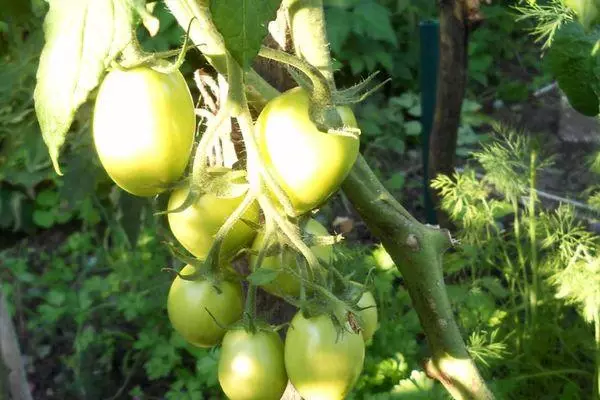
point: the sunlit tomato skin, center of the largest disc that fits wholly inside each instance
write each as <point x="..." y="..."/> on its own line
<point x="321" y="364"/>
<point x="368" y="315"/>
<point x="187" y="304"/>
<point x="285" y="283"/>
<point x="196" y="226"/>
<point x="143" y="127"/>
<point x="251" y="365"/>
<point x="308" y="164"/>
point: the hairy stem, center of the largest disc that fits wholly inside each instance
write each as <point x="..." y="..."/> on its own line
<point x="307" y="21"/>
<point x="321" y="91"/>
<point x="250" y="307"/>
<point x="213" y="254"/>
<point x="417" y="250"/>
<point x="256" y="167"/>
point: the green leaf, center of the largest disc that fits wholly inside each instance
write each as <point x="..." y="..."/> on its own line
<point x="376" y="21"/>
<point x="82" y="38"/>
<point x="396" y="182"/>
<point x="47" y="198"/>
<point x="418" y="386"/>
<point x="243" y="25"/>
<point x="412" y="128"/>
<point x="43" y="218"/>
<point x="406" y="100"/>
<point x="338" y="28"/>
<point x="262" y="276"/>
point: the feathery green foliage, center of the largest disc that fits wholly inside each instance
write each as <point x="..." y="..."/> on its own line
<point x="519" y="269"/>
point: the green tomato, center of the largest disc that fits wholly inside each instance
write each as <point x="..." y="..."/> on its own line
<point x="285" y="283"/>
<point x="368" y="316"/>
<point x="196" y="226"/>
<point x="309" y="165"/>
<point x="321" y="362"/>
<point x="143" y="127"/>
<point x="188" y="302"/>
<point x="251" y="365"/>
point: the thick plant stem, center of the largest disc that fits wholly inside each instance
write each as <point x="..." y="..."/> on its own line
<point x="417" y="250"/>
<point x="307" y="21"/>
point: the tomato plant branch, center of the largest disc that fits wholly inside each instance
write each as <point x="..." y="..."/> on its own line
<point x="213" y="255"/>
<point x="416" y="249"/>
<point x="289" y="231"/>
<point x="246" y="126"/>
<point x="307" y="21"/>
<point x="256" y="167"/>
<point x="321" y="91"/>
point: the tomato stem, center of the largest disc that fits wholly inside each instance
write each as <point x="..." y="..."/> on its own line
<point x="307" y="25"/>
<point x="250" y="308"/>
<point x="258" y="175"/>
<point x="322" y="110"/>
<point x="321" y="91"/>
<point x="212" y="259"/>
<point x="289" y="231"/>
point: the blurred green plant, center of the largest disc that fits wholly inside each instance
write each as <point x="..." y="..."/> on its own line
<point x="514" y="272"/>
<point x="90" y="309"/>
<point x="368" y="35"/>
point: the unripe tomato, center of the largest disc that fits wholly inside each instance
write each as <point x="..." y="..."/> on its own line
<point x="368" y="316"/>
<point x="320" y="362"/>
<point x="251" y="365"/>
<point x="308" y="164"/>
<point x="188" y="302"/>
<point x="196" y="226"/>
<point x="143" y="127"/>
<point x="286" y="283"/>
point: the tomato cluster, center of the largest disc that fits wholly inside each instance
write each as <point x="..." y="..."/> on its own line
<point x="144" y="127"/>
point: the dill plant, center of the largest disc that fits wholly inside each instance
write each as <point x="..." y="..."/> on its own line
<point x="536" y="263"/>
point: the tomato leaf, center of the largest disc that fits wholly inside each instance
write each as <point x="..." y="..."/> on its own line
<point x="262" y="276"/>
<point x="243" y="25"/>
<point x="82" y="38"/>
